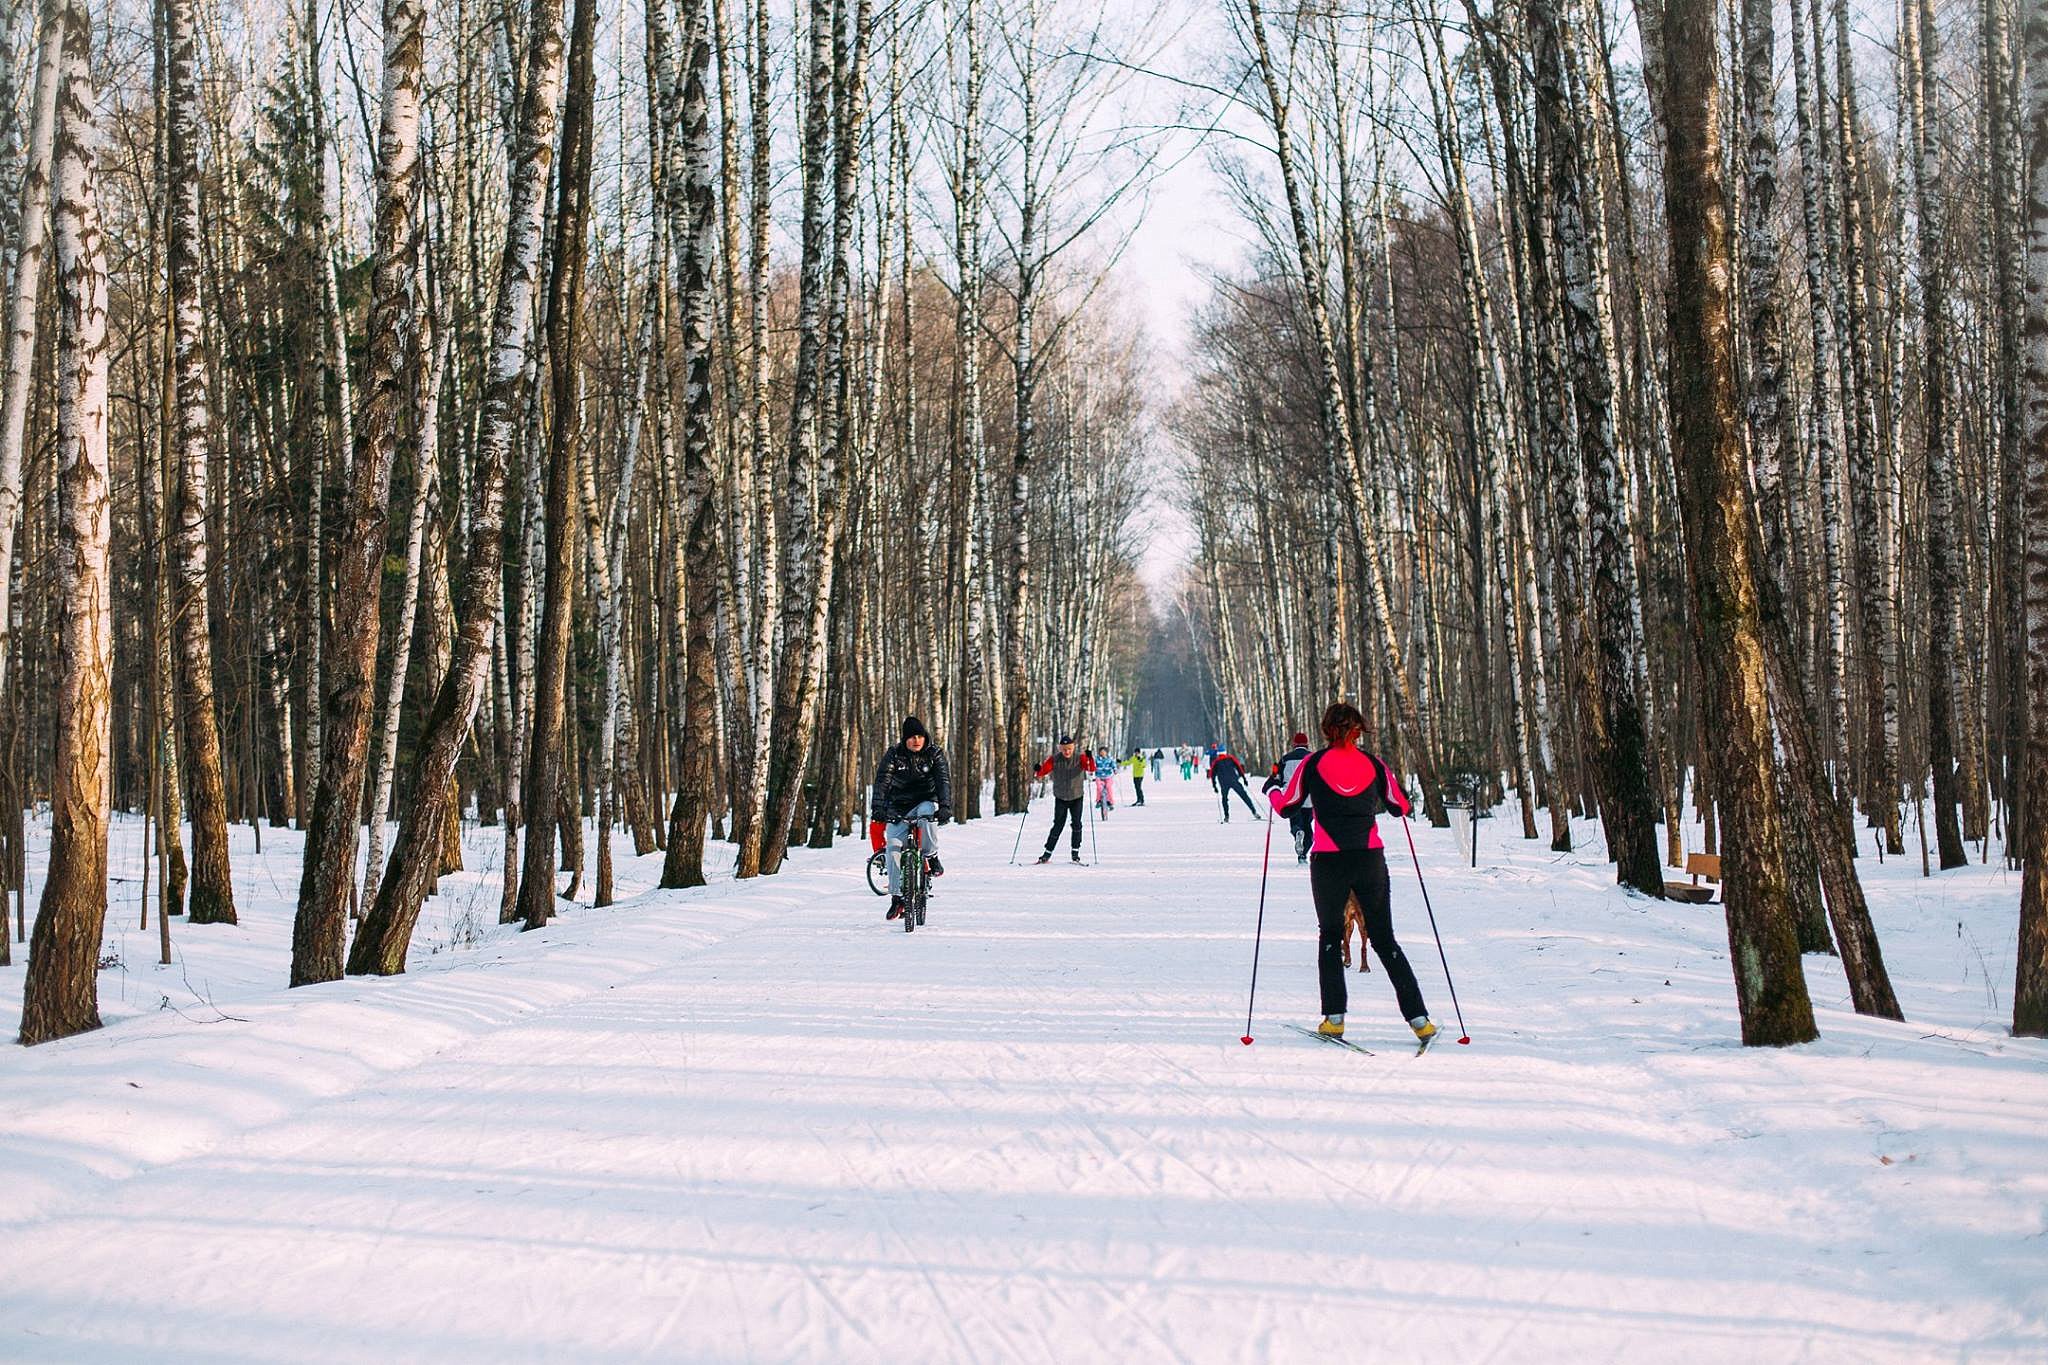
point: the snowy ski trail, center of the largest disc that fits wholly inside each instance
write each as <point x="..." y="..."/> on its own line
<point x="755" y="1122"/>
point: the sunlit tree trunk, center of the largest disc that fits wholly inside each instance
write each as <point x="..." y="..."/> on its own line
<point x="1770" y="988"/>
<point x="380" y="945"/>
<point x="328" y="870"/>
<point x="59" y="995"/>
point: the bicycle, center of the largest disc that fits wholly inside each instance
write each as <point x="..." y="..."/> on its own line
<point x="915" y="874"/>
<point x="916" y="879"/>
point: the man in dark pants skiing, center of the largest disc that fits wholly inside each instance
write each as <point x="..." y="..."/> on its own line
<point x="912" y="786"/>
<point x="1349" y="788"/>
<point x="1226" y="775"/>
<point x="1070" y="771"/>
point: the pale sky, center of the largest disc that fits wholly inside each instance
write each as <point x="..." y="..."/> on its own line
<point x="1186" y="234"/>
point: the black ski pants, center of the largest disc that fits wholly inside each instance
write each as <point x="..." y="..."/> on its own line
<point x="1064" y="809"/>
<point x="1335" y="877"/>
<point x="1236" y="784"/>
<point x="1138" y="781"/>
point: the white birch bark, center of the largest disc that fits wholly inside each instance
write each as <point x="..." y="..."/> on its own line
<point x="381" y="944"/>
<point x="349" y="701"/>
<point x="2030" y="993"/>
<point x="17" y="348"/>
<point x="752" y="816"/>
<point x="59" y="993"/>
<point x="426" y="471"/>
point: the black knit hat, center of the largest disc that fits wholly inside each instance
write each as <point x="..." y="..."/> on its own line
<point x="913" y="726"/>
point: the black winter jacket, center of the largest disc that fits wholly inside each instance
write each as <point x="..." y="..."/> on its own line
<point x="904" y="779"/>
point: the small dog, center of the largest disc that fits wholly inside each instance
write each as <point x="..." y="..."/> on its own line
<point x="1354" y="920"/>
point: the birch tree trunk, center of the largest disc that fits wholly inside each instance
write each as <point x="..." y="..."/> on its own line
<point x="1611" y="708"/>
<point x="694" y="255"/>
<point x="1867" y="490"/>
<point x="2030" y="991"/>
<point x="1943" y="659"/>
<point x="210" y="896"/>
<point x="426" y="469"/>
<point x="752" y="816"/>
<point x="328" y="870"/>
<point x="550" y="740"/>
<point x="611" y="534"/>
<point x="1769" y="985"/>
<point x="59" y="992"/>
<point x="817" y="442"/>
<point x="380" y="945"/>
<point x="805" y="549"/>
<point x="1826" y="424"/>
<point x="17" y="359"/>
<point x="967" y="189"/>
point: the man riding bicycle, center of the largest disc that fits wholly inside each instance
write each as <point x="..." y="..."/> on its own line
<point x="912" y="787"/>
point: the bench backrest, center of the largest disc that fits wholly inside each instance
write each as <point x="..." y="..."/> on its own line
<point x="1706" y="865"/>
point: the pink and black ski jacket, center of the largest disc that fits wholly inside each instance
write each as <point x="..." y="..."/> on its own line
<point x="1346" y="788"/>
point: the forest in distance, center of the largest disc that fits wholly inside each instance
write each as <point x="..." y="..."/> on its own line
<point x="604" y="422"/>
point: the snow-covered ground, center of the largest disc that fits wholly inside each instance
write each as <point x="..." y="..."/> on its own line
<point x="755" y="1123"/>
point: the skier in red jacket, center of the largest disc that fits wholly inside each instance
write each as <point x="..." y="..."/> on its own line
<point x="1226" y="775"/>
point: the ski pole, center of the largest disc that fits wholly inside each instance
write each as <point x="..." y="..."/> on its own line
<point x="1464" y="1034"/>
<point x="1258" y="933"/>
<point x="1094" y="845"/>
<point x="1022" y="820"/>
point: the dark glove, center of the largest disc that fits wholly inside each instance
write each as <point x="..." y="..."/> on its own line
<point x="945" y="815"/>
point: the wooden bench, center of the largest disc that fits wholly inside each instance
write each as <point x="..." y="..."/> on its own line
<point x="1697" y="865"/>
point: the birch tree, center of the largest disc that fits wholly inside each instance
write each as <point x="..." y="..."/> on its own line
<point x="2030" y="992"/>
<point x="59" y="994"/>
<point x="209" y="892"/>
<point x="328" y="871"/>
<point x="17" y="348"/>
<point x="380" y="945"/>
<point x="1770" y="989"/>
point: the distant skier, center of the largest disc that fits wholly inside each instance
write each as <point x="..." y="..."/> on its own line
<point x="1158" y="763"/>
<point x="1302" y="822"/>
<point x="1105" y="783"/>
<point x="1069" y="771"/>
<point x="913" y="786"/>
<point x="1349" y="788"/>
<point x="1186" y="755"/>
<point x="1226" y="775"/>
<point x="1137" y="762"/>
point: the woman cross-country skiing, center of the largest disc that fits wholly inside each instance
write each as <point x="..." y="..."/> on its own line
<point x="1347" y="788"/>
